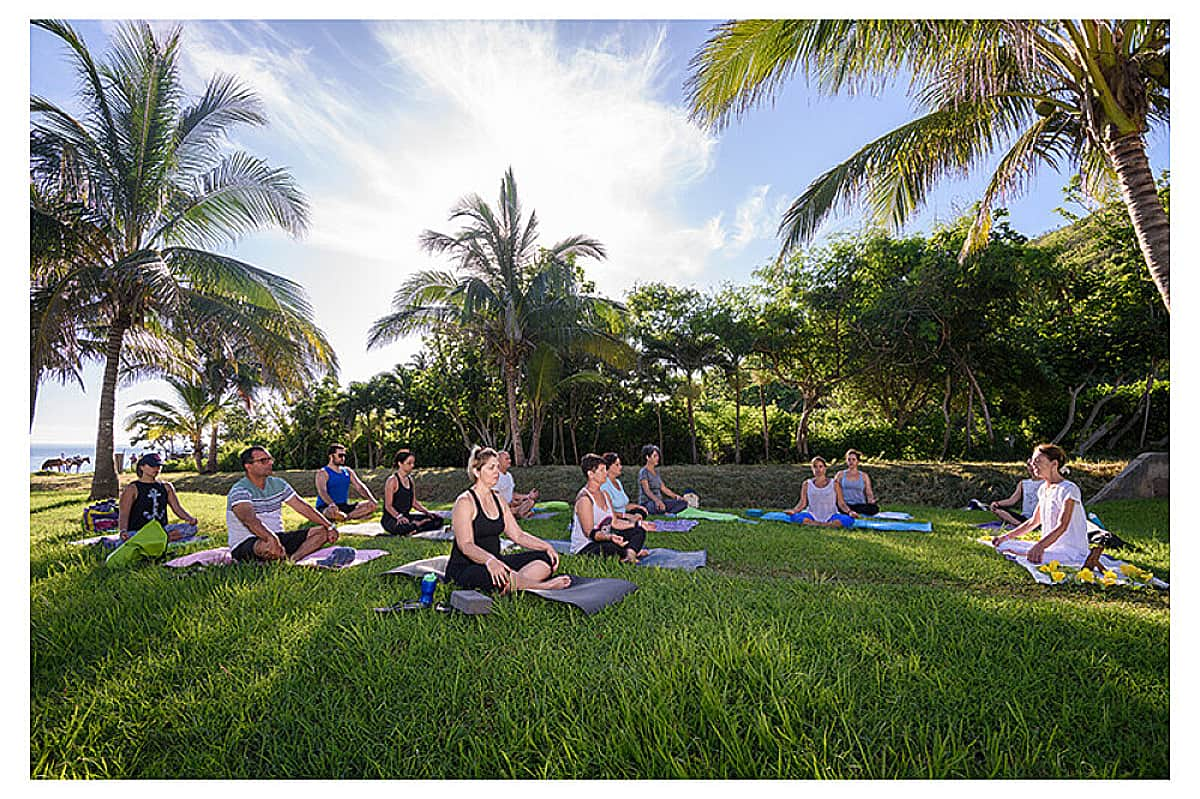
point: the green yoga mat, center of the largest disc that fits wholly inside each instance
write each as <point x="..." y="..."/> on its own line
<point x="710" y="515"/>
<point x="554" y="504"/>
<point x="149" y="542"/>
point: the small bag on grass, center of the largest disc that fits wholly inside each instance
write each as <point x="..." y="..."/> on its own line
<point x="149" y="542"/>
<point x="100" y="517"/>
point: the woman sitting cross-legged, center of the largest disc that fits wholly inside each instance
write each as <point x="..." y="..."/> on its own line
<point x="1059" y="512"/>
<point x="594" y="529"/>
<point x="652" y="491"/>
<point x="403" y="513"/>
<point x="622" y="507"/>
<point x="821" y="499"/>
<point x="478" y="520"/>
<point x="856" y="486"/>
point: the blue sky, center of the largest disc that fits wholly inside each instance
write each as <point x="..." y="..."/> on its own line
<point x="386" y="124"/>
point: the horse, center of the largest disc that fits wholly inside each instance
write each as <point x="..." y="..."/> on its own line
<point x="53" y="463"/>
<point x="78" y="461"/>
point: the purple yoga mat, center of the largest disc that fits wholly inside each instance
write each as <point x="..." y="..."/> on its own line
<point x="205" y="557"/>
<point x="674" y="525"/>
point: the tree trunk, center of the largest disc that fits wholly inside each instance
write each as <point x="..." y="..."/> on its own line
<point x="104" y="480"/>
<point x="802" y="428"/>
<point x="1100" y="433"/>
<point x="1087" y="426"/>
<point x="1070" y="413"/>
<point x="535" y="425"/>
<point x="692" y="422"/>
<point x="946" y="417"/>
<point x="762" y="401"/>
<point x="212" y="449"/>
<point x="983" y="406"/>
<point x="1133" y="417"/>
<point x="970" y="422"/>
<point x="34" y="379"/>
<point x="197" y="449"/>
<point x="1150" y="222"/>
<point x="737" y="418"/>
<point x="658" y="414"/>
<point x="514" y="424"/>
<point x="1146" y="418"/>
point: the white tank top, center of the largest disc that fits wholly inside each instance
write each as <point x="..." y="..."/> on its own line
<point x="579" y="538"/>
<point x="822" y="502"/>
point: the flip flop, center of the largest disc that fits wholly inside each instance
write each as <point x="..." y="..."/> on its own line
<point x="413" y="604"/>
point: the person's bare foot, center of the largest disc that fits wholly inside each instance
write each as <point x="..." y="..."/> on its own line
<point x="643" y="553"/>
<point x="555" y="583"/>
<point x="630" y="556"/>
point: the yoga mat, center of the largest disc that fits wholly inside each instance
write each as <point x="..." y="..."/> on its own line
<point x="992" y="525"/>
<point x="709" y="515"/>
<point x="893" y="514"/>
<point x="205" y="557"/>
<point x="888" y="524"/>
<point x="114" y="541"/>
<point x="674" y="559"/>
<point x="777" y="516"/>
<point x="362" y="528"/>
<point x="674" y="525"/>
<point x="420" y="568"/>
<point x="551" y="505"/>
<point x="661" y="557"/>
<point x="1014" y="550"/>
<point x="547" y="515"/>
<point x="589" y="594"/>
<point x="361" y="556"/>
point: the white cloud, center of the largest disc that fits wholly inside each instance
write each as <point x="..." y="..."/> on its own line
<point x="593" y="148"/>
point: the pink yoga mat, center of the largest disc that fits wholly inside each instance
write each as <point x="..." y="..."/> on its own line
<point x="221" y="557"/>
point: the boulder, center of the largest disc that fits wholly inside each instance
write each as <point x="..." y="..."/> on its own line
<point x="1147" y="476"/>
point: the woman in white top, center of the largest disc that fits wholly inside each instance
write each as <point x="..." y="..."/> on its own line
<point x="594" y="528"/>
<point x="1026" y="493"/>
<point x="1059" y="512"/>
<point x="821" y="499"/>
<point x="622" y="507"/>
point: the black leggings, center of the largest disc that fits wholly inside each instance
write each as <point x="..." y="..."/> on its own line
<point x="476" y="575"/>
<point x="412" y="523"/>
<point x="865" y="508"/>
<point x="635" y="539"/>
<point x="668" y="506"/>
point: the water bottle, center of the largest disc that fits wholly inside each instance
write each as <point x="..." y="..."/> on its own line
<point x="428" y="584"/>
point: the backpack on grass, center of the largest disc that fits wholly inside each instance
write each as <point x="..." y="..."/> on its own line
<point x="100" y="517"/>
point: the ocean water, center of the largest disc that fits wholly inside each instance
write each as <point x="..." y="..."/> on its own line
<point x="40" y="453"/>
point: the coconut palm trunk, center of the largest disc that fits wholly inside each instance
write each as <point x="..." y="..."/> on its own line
<point x="1150" y="222"/>
<point x="514" y="423"/>
<point x="104" y="480"/>
<point x="212" y="449"/>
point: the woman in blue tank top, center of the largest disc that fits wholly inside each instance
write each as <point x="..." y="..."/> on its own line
<point x="856" y="486"/>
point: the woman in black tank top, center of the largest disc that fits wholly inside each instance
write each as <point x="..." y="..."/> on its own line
<point x="478" y="521"/>
<point x="399" y="501"/>
<point x="146" y="500"/>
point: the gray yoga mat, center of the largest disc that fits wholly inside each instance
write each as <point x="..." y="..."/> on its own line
<point x="589" y="594"/>
<point x="661" y="557"/>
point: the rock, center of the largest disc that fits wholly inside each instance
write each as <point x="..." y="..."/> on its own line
<point x="1146" y="477"/>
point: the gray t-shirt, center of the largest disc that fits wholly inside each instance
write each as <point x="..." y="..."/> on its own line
<point x="267" y="503"/>
<point x="653" y="480"/>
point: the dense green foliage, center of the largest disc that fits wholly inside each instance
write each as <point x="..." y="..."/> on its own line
<point x="794" y="654"/>
<point x="886" y="344"/>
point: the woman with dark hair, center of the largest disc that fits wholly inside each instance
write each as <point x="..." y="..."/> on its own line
<point x="856" y="486"/>
<point x="622" y="507"/>
<point x="403" y="513"/>
<point x="652" y="491"/>
<point x="594" y="528"/>
<point x="1059" y="512"/>
<point x="479" y="518"/>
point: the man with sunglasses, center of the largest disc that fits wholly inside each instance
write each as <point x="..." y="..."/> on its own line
<point x="254" y="515"/>
<point x="333" y="489"/>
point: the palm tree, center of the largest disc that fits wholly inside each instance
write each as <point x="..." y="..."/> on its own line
<point x="509" y="292"/>
<point x="1078" y="93"/>
<point x="140" y="184"/>
<point x="197" y="410"/>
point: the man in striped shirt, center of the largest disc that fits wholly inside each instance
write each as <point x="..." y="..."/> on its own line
<point x="254" y="515"/>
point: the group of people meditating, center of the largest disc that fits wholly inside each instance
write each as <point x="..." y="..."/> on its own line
<point x="605" y="522"/>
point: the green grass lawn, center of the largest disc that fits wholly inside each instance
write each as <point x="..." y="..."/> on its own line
<point x="797" y="653"/>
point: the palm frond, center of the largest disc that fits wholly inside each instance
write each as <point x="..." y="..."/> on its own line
<point x="203" y="126"/>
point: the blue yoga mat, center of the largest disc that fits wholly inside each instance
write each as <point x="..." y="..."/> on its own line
<point x="891" y="524"/>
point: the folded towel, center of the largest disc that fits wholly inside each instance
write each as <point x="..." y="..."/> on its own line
<point x="1057" y="571"/>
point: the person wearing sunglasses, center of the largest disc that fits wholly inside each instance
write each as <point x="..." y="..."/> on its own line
<point x="254" y="515"/>
<point x="334" y="481"/>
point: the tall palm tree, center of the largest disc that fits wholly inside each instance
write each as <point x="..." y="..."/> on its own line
<point x="508" y="291"/>
<point x="197" y="410"/>
<point x="141" y="183"/>
<point x="1078" y="93"/>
